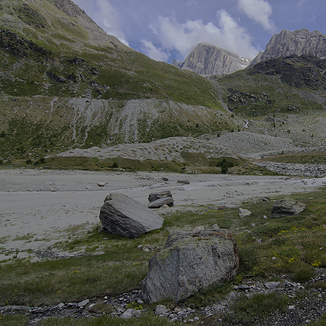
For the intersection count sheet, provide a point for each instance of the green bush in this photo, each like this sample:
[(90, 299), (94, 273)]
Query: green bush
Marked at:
[(224, 165), (303, 273)]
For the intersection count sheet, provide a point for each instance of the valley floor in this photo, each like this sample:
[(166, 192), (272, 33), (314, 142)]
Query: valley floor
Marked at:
[(42, 207)]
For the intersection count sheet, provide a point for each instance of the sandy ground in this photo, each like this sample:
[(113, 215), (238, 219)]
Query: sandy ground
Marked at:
[(39, 208)]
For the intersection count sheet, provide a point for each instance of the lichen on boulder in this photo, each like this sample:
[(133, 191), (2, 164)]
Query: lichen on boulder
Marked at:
[(189, 262)]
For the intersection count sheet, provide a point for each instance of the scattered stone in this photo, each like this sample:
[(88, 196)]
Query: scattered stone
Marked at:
[(287, 207), (158, 195), (306, 170), (129, 313), (221, 207), (264, 200), (188, 262), (244, 212), (165, 179), (160, 310), (60, 305), (83, 303), (161, 202), (185, 182), (272, 285), (101, 184), (123, 215)]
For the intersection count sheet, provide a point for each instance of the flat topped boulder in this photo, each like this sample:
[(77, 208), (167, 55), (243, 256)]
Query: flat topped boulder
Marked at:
[(189, 262), (287, 207), (122, 215)]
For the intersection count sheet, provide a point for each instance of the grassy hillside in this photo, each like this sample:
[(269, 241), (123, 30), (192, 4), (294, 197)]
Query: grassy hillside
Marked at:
[(65, 83), (284, 85)]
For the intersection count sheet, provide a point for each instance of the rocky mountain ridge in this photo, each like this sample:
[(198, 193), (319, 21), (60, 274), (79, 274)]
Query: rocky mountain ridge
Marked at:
[(286, 43), (206, 59)]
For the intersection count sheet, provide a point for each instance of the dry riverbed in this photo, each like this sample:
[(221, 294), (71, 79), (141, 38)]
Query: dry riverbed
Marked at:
[(42, 207)]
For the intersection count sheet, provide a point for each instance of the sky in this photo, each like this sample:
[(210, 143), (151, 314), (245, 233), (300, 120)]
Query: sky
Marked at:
[(170, 29)]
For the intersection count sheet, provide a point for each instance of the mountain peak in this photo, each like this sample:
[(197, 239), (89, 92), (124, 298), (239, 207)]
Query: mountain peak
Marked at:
[(299, 42), (207, 59)]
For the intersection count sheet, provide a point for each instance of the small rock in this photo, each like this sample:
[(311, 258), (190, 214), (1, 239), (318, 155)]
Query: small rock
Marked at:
[(272, 285), (129, 313), (221, 207), (60, 305), (216, 227), (101, 184), (185, 182), (244, 212), (83, 303), (161, 202), (291, 307), (160, 309), (287, 207)]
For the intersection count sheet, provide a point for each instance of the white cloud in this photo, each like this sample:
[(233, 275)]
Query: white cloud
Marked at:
[(259, 11), (105, 15), (153, 52), (174, 36)]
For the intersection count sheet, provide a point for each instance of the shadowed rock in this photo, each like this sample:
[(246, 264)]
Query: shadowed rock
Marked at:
[(161, 202), (188, 262), (287, 207), (158, 195), (122, 215)]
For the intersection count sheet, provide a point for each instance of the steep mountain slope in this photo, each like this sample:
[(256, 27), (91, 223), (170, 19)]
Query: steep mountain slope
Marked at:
[(65, 83), (58, 24), (298, 42), (206, 59)]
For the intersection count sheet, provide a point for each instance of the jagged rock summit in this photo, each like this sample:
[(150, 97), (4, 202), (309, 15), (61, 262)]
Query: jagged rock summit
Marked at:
[(287, 43), (206, 59)]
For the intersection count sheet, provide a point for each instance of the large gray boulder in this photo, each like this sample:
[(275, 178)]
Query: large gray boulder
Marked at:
[(188, 262), (125, 216), (287, 207)]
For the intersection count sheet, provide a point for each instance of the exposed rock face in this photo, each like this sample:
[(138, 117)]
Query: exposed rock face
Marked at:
[(287, 207), (288, 43), (207, 59), (122, 215), (188, 262)]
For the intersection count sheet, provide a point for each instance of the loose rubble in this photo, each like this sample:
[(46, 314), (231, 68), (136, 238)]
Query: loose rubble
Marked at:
[(305, 170), (307, 304)]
